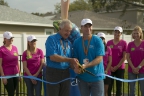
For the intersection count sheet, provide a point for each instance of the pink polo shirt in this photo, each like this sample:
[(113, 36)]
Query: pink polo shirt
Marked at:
[(106, 58), (34, 62), (136, 55), (117, 52), (9, 60)]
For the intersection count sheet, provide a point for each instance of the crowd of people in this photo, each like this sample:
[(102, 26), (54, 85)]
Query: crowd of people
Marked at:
[(88, 52)]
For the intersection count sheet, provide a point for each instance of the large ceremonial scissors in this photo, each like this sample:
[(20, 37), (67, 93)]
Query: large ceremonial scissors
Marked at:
[(84, 70)]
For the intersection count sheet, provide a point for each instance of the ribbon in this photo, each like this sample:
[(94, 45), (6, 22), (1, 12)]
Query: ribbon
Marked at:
[(74, 80)]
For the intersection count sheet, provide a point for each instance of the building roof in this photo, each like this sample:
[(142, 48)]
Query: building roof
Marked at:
[(16, 17), (121, 10), (136, 18), (8, 14), (100, 21)]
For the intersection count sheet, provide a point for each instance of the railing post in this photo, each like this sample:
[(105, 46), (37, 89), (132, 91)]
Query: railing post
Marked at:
[(123, 86), (0, 87), (20, 75), (17, 90), (128, 88), (138, 89)]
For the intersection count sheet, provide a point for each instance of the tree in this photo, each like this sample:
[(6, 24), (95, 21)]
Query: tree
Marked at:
[(76, 5), (2, 2), (110, 5), (38, 14), (42, 14), (58, 8), (80, 5), (102, 5)]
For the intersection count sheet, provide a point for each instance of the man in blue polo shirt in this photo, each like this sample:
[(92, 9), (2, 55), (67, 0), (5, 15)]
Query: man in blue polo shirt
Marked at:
[(89, 50), (58, 59)]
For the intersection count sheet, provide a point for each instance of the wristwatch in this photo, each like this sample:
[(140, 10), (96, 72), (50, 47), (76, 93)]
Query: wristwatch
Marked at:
[(139, 67)]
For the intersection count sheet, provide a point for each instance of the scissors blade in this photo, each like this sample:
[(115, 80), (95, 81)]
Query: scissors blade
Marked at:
[(86, 70), (89, 72)]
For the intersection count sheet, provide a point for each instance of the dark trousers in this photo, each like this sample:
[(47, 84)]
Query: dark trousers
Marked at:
[(55, 75), (119, 74), (11, 86), (31, 87)]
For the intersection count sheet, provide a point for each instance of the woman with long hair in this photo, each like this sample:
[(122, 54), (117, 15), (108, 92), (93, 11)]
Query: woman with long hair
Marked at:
[(135, 58), (33, 60), (9, 64), (107, 61)]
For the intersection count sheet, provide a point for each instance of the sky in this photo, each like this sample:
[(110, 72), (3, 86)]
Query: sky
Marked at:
[(41, 6)]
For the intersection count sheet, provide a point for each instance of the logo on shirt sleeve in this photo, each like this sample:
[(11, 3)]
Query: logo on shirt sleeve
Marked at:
[(132, 49)]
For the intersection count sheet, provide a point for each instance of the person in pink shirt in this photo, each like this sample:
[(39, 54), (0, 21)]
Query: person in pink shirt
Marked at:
[(118, 47), (33, 60), (107, 61), (135, 58), (9, 64)]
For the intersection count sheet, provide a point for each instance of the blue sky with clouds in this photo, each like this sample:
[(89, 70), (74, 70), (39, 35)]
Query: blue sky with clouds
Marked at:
[(41, 6)]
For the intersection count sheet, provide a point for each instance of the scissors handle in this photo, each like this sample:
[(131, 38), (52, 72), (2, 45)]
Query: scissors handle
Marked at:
[(86, 70)]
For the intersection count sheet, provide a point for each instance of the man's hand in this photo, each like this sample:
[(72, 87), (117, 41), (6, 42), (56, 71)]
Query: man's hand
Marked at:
[(73, 63), (79, 68)]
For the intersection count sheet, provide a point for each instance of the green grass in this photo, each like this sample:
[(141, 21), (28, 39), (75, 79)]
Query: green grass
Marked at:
[(22, 89), (125, 88)]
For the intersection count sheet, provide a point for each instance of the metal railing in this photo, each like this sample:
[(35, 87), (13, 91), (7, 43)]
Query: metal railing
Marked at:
[(21, 88)]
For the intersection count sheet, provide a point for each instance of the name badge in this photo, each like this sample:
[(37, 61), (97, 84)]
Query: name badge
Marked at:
[(86, 60)]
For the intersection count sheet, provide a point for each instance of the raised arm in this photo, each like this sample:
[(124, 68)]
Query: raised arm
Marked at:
[(64, 9)]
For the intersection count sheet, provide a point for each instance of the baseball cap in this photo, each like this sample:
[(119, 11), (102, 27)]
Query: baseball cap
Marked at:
[(8, 35), (118, 28), (101, 34), (31, 37), (85, 21)]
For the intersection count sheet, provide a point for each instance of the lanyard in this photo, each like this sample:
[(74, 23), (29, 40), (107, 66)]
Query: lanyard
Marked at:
[(64, 48), (86, 48)]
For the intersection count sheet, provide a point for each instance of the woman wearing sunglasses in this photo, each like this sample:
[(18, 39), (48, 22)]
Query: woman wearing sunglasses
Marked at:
[(33, 60)]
